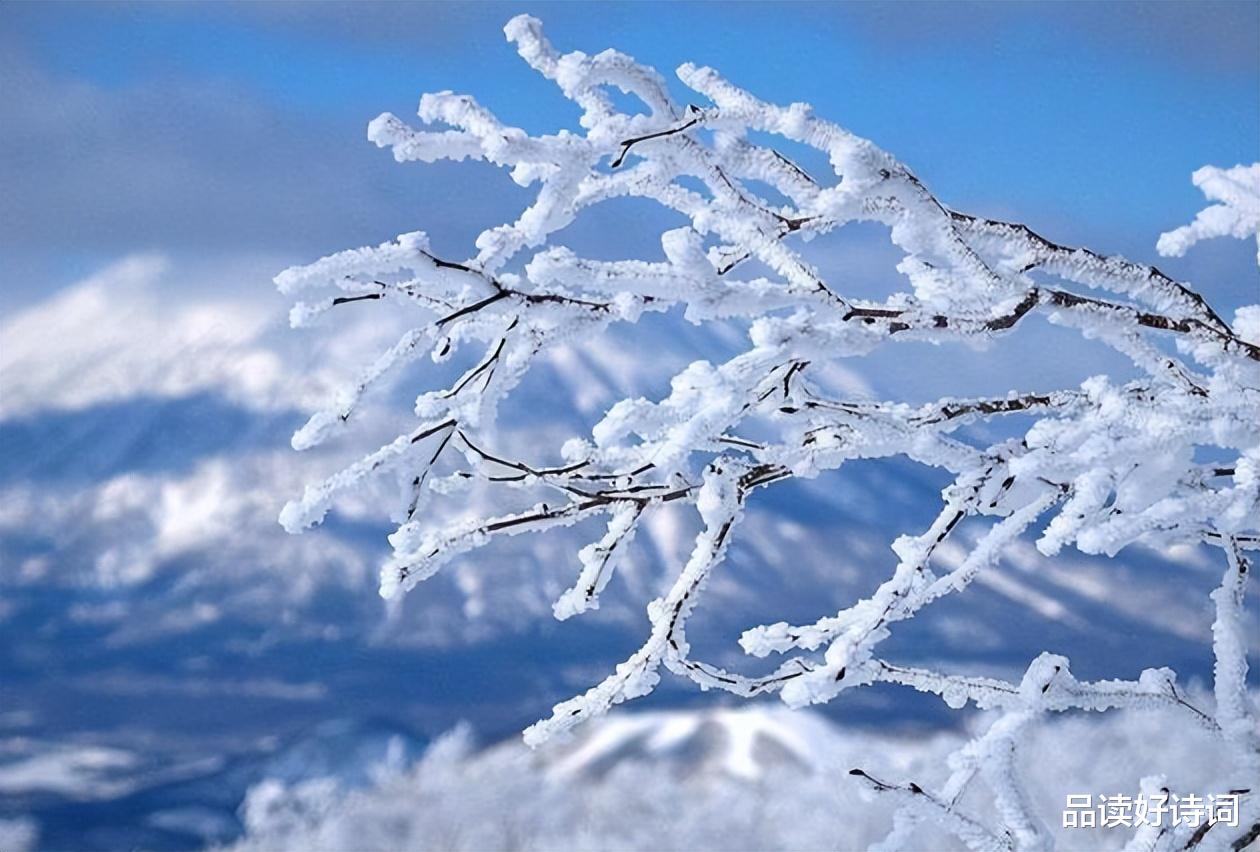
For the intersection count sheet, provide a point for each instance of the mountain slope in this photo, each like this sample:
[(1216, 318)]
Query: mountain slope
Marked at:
[(151, 604)]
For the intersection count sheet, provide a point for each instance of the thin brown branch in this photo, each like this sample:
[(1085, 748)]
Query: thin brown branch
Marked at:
[(630, 143)]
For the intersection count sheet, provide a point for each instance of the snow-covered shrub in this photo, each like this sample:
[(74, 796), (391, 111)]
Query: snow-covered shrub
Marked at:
[(754, 778), (1170, 458)]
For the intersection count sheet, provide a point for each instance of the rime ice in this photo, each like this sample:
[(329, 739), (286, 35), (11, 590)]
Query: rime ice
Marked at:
[(1102, 467)]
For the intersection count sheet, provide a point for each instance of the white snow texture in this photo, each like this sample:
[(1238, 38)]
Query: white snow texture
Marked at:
[(1169, 458)]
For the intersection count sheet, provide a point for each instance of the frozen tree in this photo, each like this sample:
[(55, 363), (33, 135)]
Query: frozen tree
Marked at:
[(1169, 458)]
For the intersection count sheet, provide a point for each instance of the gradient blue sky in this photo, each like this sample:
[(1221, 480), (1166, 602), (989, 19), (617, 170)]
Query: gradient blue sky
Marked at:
[(214, 130)]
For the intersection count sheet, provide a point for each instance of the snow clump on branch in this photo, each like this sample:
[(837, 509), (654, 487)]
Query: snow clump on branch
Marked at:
[(1102, 467)]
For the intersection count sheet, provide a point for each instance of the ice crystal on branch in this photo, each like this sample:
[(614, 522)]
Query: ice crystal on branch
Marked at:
[(1102, 466), (1237, 214)]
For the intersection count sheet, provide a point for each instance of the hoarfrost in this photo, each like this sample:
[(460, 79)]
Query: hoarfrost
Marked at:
[(1101, 467)]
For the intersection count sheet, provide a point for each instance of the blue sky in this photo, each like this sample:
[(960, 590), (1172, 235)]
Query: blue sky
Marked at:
[(203, 129)]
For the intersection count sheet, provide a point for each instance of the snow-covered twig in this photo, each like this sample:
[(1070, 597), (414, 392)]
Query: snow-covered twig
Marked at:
[(1099, 467)]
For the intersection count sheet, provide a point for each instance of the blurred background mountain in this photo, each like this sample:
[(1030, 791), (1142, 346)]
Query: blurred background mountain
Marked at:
[(165, 648)]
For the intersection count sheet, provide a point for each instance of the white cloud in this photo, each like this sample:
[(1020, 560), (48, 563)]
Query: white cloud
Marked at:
[(79, 771), (18, 835)]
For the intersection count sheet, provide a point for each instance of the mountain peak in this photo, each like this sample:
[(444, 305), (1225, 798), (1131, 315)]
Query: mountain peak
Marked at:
[(744, 743)]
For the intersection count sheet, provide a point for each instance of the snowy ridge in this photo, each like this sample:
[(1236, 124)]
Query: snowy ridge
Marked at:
[(172, 513), (679, 780), (176, 493), (744, 743)]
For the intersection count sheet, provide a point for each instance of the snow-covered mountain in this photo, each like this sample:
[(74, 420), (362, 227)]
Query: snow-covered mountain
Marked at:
[(750, 778), (741, 743), (754, 776), (150, 604), (138, 502)]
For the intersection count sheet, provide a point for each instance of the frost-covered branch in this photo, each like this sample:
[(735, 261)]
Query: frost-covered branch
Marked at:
[(1100, 467), (1236, 215)]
